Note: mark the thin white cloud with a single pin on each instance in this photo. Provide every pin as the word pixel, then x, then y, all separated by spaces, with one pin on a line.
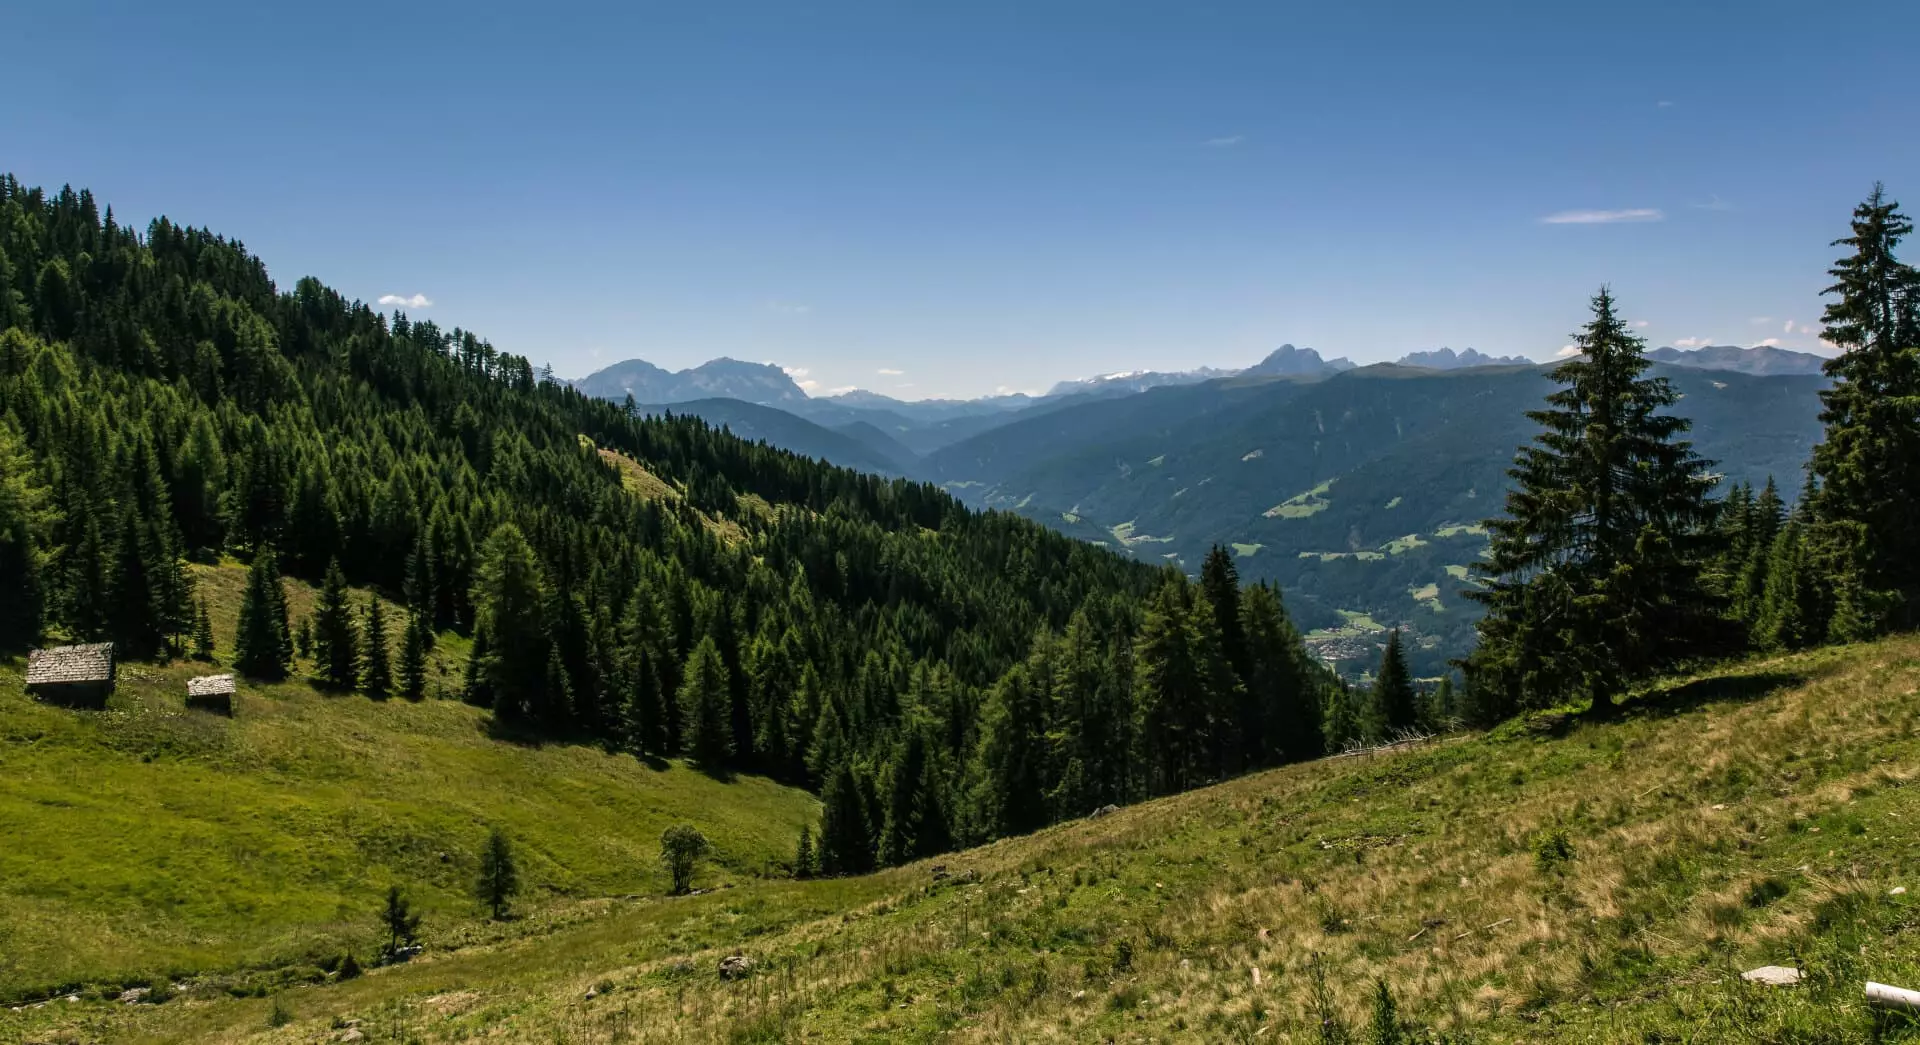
pixel 1693 342
pixel 397 301
pixel 1714 202
pixel 1772 342
pixel 788 308
pixel 843 390
pixel 1663 104
pixel 1761 321
pixel 1640 324
pixel 1808 329
pixel 887 371
pixel 1226 142
pixel 1603 217
pixel 808 386
pixel 795 371
pixel 1567 352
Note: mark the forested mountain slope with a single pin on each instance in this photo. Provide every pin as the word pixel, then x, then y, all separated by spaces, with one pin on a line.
pixel 650 586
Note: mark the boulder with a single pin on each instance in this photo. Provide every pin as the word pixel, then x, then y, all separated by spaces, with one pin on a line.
pixel 1772 975
pixel 736 967
pixel 1107 810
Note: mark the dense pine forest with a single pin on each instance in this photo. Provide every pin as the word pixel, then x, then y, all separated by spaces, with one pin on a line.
pixel 940 676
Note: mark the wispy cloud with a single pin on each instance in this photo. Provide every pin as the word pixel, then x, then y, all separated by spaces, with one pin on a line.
pixel 1761 321
pixel 1663 104
pixel 1714 202
pixel 1603 217
pixel 397 301
pixel 808 386
pixel 843 390
pixel 795 371
pixel 1640 324
pixel 1772 342
pixel 887 371
pixel 1226 142
pixel 1693 342
pixel 1567 352
pixel 788 308
pixel 1807 329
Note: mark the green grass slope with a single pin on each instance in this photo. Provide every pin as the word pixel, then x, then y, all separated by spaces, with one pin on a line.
pixel 147 840
pixel 1558 880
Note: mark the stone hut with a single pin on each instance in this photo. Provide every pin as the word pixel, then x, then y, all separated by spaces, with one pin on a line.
pixel 211 693
pixel 77 676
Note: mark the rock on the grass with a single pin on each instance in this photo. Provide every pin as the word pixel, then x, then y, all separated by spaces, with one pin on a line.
pixel 1772 975
pixel 736 967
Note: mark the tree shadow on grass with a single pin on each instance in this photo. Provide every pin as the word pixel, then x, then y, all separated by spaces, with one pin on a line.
pixel 533 737
pixel 1670 701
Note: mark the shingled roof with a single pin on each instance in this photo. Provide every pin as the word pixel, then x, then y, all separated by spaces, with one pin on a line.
pixel 210 686
pixel 63 665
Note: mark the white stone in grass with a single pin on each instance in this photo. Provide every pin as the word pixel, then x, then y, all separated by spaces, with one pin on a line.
pixel 1898 890
pixel 1772 975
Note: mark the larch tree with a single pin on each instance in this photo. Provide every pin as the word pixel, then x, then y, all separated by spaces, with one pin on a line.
pixel 1592 579
pixel 508 600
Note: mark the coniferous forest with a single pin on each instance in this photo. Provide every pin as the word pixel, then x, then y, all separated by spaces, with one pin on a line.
pixel 939 676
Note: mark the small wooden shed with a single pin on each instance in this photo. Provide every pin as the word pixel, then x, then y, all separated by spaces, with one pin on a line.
pixel 77 676
pixel 211 693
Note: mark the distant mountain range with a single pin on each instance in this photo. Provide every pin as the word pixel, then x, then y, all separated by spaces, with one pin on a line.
pixel 1761 359
pixel 1359 489
pixel 1448 359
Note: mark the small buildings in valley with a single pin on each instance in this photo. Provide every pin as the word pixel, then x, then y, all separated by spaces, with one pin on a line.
pixel 77 676
pixel 211 693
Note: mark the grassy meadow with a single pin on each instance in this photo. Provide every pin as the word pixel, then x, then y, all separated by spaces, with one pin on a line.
pixel 148 840
pixel 1559 880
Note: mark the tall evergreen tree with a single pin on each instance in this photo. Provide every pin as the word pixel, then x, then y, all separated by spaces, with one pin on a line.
pixel 376 666
pixel 415 641
pixel 262 646
pixel 202 632
pixel 336 644
pixel 846 837
pixel 1392 705
pixel 508 609
pixel 26 519
pixel 1868 463
pixel 499 879
pixel 1593 576
pixel 705 704
pixel 1283 686
pixel 914 823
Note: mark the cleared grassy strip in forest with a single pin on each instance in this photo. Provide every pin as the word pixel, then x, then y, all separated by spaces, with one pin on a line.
pixel 1559 880
pixel 148 840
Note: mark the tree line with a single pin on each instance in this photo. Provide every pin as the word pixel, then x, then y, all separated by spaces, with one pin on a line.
pixel 940 676
pixel 1613 562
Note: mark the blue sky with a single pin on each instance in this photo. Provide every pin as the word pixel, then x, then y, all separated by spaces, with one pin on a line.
pixel 958 198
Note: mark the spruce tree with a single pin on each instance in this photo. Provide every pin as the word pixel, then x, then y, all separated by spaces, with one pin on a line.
pixel 335 635
pixel 805 863
pixel 1392 705
pixel 705 708
pixel 1593 577
pixel 1868 463
pixel 846 837
pixel 511 670
pixel 132 621
pixel 914 823
pixel 1284 686
pixel 414 644
pixel 499 879
pixel 262 647
pixel 376 670
pixel 26 518
pixel 202 632
pixel 401 921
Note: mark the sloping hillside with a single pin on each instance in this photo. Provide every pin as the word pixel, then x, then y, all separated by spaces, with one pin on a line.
pixel 1556 881
pixel 148 839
